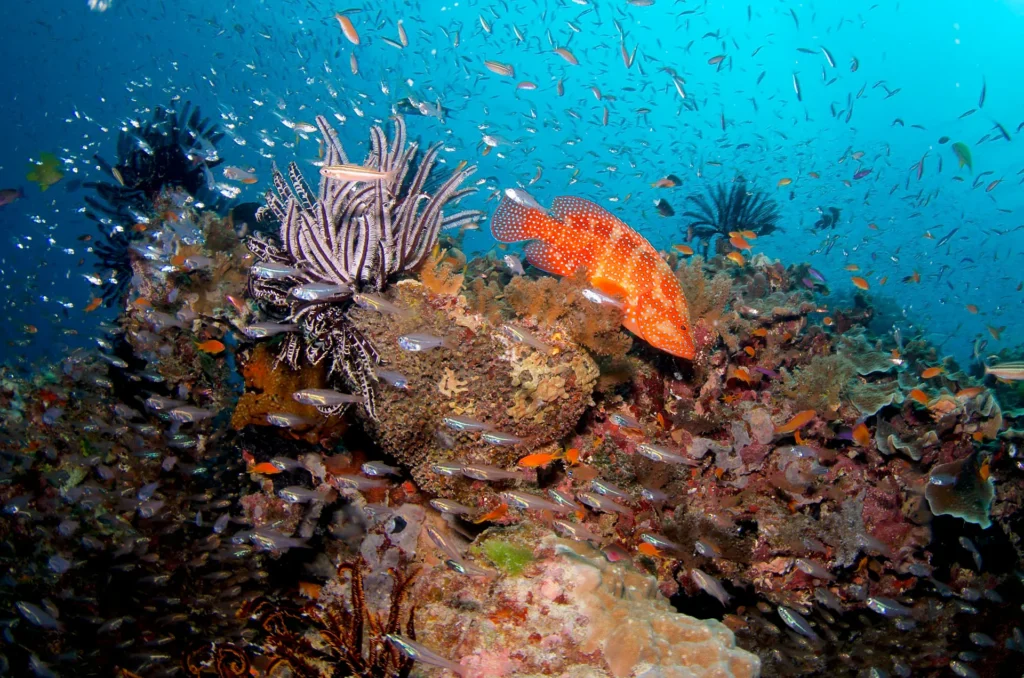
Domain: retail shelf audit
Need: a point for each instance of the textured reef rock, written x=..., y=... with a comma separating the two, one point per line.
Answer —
x=570, y=613
x=517, y=389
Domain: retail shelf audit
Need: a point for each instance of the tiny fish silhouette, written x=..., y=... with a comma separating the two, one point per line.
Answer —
x=619, y=262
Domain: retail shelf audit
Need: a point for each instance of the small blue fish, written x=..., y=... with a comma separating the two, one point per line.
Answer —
x=37, y=616
x=531, y=502
x=609, y=490
x=710, y=585
x=797, y=622
x=490, y=473
x=379, y=468
x=420, y=653
x=624, y=420
x=268, y=329
x=521, y=336
x=287, y=420
x=661, y=543
x=602, y=503
x=564, y=500
x=887, y=607
x=375, y=302
x=272, y=540
x=600, y=298
x=574, y=531
x=449, y=468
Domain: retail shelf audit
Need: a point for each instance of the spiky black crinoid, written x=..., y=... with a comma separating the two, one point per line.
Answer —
x=352, y=238
x=727, y=209
x=172, y=153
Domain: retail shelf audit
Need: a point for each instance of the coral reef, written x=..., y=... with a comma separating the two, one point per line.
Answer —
x=552, y=302
x=804, y=497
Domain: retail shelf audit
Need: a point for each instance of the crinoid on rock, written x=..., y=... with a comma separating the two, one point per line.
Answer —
x=173, y=153
x=351, y=238
x=333, y=637
x=175, y=149
x=728, y=209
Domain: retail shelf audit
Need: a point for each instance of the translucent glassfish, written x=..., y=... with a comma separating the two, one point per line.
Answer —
x=325, y=397
x=490, y=473
x=420, y=653
x=460, y=423
x=531, y=502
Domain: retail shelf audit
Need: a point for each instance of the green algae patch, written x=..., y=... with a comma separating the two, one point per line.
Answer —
x=506, y=556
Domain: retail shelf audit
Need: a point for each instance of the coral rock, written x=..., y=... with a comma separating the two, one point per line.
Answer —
x=516, y=389
x=571, y=613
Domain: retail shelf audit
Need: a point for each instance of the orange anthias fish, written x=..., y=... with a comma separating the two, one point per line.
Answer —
x=211, y=346
x=919, y=396
x=861, y=435
x=538, y=459
x=265, y=468
x=619, y=262
x=800, y=420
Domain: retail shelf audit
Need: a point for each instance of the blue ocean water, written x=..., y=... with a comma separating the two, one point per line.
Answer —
x=76, y=75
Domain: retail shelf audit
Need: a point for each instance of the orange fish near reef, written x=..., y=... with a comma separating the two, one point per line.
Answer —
x=861, y=435
x=932, y=372
x=495, y=514
x=800, y=420
x=538, y=459
x=736, y=258
x=211, y=346
x=919, y=396
x=619, y=262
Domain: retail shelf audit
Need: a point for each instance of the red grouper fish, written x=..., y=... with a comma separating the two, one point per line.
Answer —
x=618, y=261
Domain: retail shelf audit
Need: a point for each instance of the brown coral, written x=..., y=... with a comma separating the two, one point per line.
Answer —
x=548, y=301
x=439, y=272
x=819, y=384
x=515, y=388
x=270, y=387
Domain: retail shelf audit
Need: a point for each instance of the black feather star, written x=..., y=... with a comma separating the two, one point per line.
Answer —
x=174, y=150
x=728, y=209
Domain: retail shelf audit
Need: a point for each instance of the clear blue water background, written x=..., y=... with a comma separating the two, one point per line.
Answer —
x=72, y=76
